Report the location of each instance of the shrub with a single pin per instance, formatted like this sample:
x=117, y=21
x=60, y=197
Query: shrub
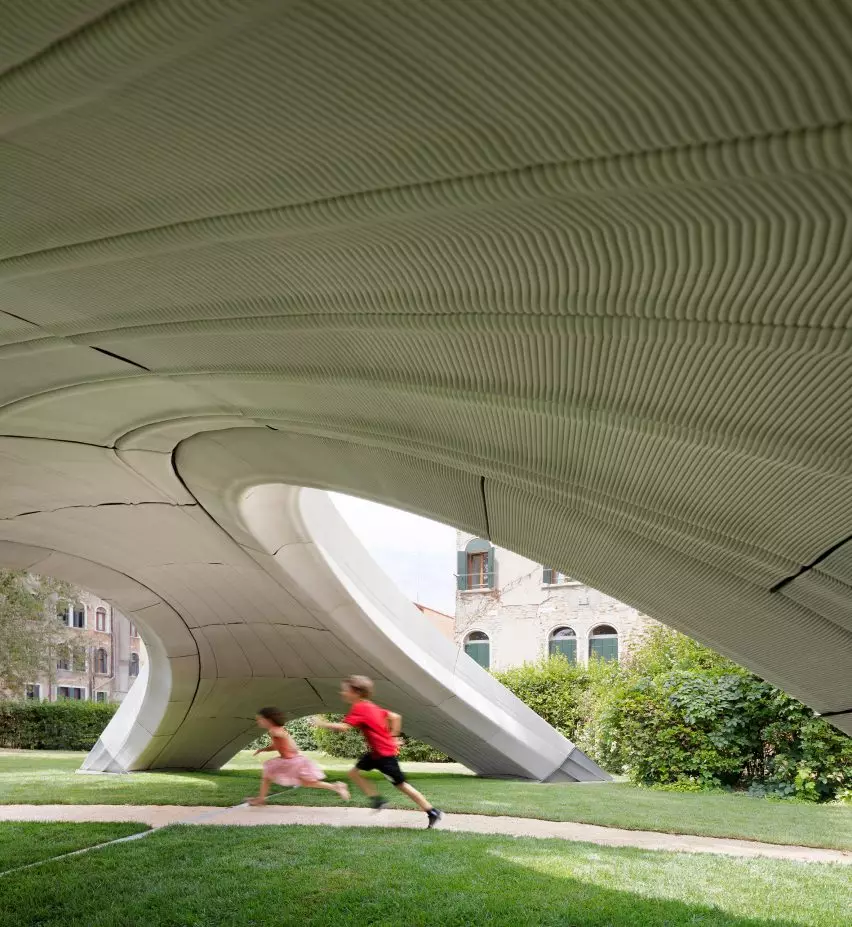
x=347, y=744
x=304, y=733
x=680, y=714
x=566, y=696
x=301, y=730
x=418, y=751
x=553, y=688
x=350, y=744
x=677, y=715
x=66, y=725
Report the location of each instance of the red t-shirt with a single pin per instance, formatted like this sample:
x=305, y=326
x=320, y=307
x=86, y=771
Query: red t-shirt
x=372, y=722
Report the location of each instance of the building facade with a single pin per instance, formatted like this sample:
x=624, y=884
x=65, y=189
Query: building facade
x=443, y=622
x=103, y=657
x=510, y=610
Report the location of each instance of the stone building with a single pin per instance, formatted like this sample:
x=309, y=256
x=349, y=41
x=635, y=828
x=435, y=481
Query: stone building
x=103, y=660
x=510, y=610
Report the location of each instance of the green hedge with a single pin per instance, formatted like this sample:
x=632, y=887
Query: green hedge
x=350, y=744
x=678, y=715
x=66, y=725
x=301, y=730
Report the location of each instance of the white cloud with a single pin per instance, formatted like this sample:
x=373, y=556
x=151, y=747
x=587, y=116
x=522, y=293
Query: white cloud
x=419, y=554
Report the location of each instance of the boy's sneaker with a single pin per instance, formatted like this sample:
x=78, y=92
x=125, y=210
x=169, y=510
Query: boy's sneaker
x=434, y=815
x=377, y=802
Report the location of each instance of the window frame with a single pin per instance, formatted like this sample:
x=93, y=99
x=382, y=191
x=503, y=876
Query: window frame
x=553, y=578
x=134, y=660
x=610, y=635
x=472, y=640
x=486, y=573
x=72, y=698
x=78, y=609
x=101, y=619
x=553, y=639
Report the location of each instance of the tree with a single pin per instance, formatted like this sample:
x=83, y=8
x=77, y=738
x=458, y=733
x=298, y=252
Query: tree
x=30, y=633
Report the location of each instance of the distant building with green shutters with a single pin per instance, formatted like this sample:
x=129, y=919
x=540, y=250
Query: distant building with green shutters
x=511, y=610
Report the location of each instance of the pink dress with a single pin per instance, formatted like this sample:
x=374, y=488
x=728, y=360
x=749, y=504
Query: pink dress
x=291, y=766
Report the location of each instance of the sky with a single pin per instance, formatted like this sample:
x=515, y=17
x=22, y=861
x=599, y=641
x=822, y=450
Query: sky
x=419, y=554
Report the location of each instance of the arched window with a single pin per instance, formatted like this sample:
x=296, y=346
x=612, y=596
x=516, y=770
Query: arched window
x=563, y=641
x=476, y=566
x=603, y=642
x=78, y=616
x=63, y=612
x=478, y=648
x=100, y=619
x=101, y=661
x=63, y=658
x=134, y=664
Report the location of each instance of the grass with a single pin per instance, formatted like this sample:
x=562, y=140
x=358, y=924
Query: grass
x=23, y=843
x=48, y=778
x=329, y=877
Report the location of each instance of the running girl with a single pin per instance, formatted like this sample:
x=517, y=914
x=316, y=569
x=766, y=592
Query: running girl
x=290, y=767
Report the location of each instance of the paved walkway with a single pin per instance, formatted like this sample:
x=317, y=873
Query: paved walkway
x=162, y=815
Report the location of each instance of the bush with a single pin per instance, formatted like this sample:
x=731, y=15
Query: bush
x=566, y=696
x=679, y=714
x=301, y=730
x=304, y=733
x=350, y=744
x=67, y=725
x=346, y=745
x=553, y=688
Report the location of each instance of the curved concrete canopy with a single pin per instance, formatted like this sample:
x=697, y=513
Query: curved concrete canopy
x=572, y=276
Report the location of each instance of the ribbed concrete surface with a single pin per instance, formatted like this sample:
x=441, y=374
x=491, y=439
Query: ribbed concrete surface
x=161, y=816
x=571, y=275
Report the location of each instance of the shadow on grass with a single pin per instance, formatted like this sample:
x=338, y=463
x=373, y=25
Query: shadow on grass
x=328, y=877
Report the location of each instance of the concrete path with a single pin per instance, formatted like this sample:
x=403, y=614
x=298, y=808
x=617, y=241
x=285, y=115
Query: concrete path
x=163, y=815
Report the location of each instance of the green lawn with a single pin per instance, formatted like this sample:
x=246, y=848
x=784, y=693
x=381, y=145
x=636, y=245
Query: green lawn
x=30, y=842
x=329, y=877
x=44, y=778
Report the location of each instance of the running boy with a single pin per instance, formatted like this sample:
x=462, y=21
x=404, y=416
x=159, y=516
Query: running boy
x=381, y=730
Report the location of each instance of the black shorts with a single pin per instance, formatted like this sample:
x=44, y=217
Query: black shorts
x=386, y=765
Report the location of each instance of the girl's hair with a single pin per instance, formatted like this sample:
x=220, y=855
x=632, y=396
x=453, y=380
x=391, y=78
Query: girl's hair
x=273, y=715
x=363, y=685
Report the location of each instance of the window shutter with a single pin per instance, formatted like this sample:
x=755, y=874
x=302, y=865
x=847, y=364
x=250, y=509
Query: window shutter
x=461, y=570
x=480, y=652
x=492, y=579
x=547, y=576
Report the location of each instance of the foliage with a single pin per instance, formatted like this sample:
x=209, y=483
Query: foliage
x=347, y=744
x=418, y=751
x=304, y=733
x=553, y=688
x=351, y=744
x=66, y=725
x=301, y=730
x=31, y=637
x=678, y=714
